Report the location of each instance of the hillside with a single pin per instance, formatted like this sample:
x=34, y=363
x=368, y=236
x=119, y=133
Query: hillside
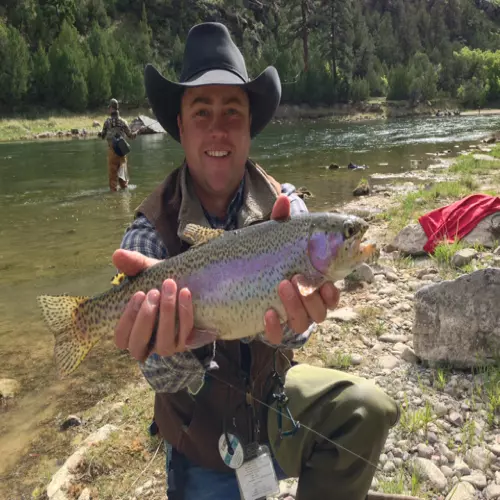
x=64, y=54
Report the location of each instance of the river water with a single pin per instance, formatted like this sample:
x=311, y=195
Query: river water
x=59, y=226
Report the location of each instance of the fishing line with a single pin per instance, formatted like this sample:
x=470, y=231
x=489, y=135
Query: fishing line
x=291, y=419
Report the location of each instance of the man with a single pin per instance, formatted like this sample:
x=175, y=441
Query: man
x=116, y=127
x=212, y=403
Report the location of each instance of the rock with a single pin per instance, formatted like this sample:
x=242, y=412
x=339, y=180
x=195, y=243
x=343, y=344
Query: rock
x=409, y=355
x=440, y=409
x=477, y=479
x=458, y=322
x=96, y=124
x=9, y=388
x=428, y=471
x=343, y=314
x=482, y=234
x=426, y=271
x=447, y=471
x=461, y=467
x=492, y=492
x=362, y=189
x=388, y=362
x=478, y=458
x=64, y=477
x=392, y=339
x=410, y=240
x=333, y=166
x=462, y=491
x=391, y=276
x=356, y=359
x=362, y=273
x=424, y=451
x=85, y=495
x=463, y=257
x=71, y=421
x=456, y=419
x=497, y=251
x=389, y=290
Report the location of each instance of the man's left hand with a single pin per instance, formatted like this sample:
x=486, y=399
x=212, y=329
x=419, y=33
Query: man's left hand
x=301, y=311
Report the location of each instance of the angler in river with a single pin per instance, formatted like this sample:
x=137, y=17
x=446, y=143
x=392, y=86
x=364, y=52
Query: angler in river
x=237, y=413
x=114, y=130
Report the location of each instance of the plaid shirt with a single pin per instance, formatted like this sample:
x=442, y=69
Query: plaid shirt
x=186, y=370
x=115, y=125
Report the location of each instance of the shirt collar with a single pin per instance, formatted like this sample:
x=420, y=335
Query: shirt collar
x=229, y=221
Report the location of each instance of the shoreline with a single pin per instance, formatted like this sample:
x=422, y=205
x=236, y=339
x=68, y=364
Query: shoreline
x=54, y=125
x=338, y=344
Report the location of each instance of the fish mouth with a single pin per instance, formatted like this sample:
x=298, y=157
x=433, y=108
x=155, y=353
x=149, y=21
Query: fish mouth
x=365, y=251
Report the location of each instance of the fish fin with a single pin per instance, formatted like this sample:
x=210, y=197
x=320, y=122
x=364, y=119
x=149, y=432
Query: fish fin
x=71, y=345
x=199, y=235
x=198, y=338
x=307, y=286
x=118, y=278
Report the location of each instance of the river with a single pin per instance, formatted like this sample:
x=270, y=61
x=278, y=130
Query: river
x=60, y=225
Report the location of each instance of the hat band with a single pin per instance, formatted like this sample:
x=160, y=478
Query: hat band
x=206, y=69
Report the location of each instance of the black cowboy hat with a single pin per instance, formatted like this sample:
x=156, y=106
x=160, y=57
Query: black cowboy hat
x=212, y=58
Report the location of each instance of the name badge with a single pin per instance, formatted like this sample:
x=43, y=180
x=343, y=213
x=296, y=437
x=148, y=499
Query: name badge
x=257, y=477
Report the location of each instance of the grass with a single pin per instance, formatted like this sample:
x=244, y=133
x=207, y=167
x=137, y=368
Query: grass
x=412, y=421
x=402, y=484
x=487, y=389
x=468, y=165
x=337, y=359
x=440, y=379
x=416, y=204
x=15, y=128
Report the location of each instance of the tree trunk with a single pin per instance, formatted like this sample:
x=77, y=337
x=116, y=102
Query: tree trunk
x=305, y=34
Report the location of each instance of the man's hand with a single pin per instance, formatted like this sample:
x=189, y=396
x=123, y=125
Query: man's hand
x=301, y=311
x=135, y=327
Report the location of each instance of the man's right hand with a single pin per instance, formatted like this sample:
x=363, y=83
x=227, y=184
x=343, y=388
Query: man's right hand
x=135, y=327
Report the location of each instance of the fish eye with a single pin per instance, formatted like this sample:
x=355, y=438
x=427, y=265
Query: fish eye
x=349, y=229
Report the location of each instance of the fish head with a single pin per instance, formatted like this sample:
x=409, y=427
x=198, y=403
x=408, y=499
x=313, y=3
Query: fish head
x=335, y=246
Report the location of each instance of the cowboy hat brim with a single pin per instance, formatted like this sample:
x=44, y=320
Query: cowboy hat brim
x=165, y=96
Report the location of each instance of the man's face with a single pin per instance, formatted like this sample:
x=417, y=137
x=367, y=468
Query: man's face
x=214, y=127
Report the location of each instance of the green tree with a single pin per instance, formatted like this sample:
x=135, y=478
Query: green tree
x=68, y=70
x=40, y=76
x=15, y=67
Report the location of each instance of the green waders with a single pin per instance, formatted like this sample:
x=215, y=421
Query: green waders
x=349, y=410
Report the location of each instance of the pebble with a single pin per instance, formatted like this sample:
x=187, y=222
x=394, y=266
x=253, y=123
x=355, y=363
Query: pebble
x=462, y=491
x=428, y=471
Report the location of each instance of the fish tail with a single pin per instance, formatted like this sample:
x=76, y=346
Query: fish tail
x=71, y=344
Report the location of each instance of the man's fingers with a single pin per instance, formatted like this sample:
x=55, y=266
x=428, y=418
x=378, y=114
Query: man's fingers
x=186, y=318
x=143, y=326
x=273, y=328
x=281, y=208
x=330, y=294
x=298, y=319
x=165, y=341
x=313, y=303
x=131, y=263
x=127, y=320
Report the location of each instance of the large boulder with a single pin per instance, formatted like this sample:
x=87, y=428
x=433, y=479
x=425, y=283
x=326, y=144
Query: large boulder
x=458, y=322
x=410, y=240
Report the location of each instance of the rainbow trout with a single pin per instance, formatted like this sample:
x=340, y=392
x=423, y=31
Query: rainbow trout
x=233, y=277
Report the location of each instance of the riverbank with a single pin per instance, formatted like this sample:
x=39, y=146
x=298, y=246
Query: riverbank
x=370, y=335
x=56, y=125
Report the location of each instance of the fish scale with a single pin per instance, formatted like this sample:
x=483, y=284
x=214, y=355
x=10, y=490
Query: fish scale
x=233, y=277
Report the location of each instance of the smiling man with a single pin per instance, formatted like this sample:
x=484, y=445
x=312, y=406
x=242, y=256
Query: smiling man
x=207, y=400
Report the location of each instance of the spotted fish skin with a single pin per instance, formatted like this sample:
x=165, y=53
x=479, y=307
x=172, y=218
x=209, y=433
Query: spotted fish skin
x=233, y=278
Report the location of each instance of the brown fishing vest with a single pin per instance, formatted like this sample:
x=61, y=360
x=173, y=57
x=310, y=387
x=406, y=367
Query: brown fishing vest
x=193, y=424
